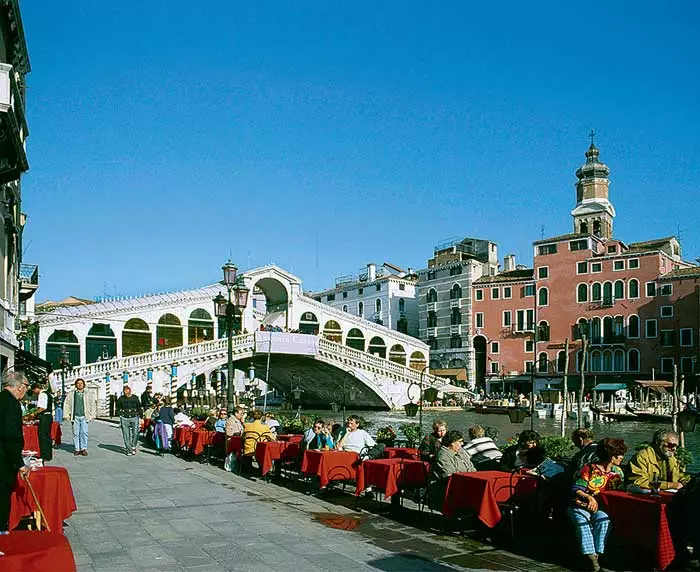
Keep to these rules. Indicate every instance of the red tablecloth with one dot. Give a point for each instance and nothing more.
(30, 551)
(640, 520)
(201, 438)
(391, 475)
(266, 452)
(31, 435)
(183, 437)
(331, 465)
(235, 445)
(401, 453)
(293, 438)
(53, 489)
(482, 491)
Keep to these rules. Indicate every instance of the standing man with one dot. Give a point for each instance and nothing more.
(80, 408)
(129, 411)
(147, 397)
(14, 387)
(44, 413)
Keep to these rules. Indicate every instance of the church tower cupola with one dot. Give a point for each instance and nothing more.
(594, 212)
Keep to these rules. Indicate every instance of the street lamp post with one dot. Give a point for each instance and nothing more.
(65, 364)
(226, 308)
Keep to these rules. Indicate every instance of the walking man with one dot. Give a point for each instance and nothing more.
(14, 387)
(130, 412)
(80, 407)
(44, 413)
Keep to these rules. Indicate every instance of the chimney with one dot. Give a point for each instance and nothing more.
(509, 263)
(371, 272)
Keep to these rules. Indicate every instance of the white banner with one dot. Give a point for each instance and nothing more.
(282, 343)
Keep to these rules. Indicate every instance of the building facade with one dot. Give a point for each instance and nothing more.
(18, 282)
(636, 305)
(445, 304)
(384, 294)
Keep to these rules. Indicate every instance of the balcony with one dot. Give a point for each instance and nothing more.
(456, 329)
(13, 127)
(28, 280)
(456, 303)
(432, 332)
(432, 306)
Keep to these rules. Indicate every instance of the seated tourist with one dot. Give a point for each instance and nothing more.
(432, 443)
(355, 439)
(582, 439)
(451, 458)
(234, 424)
(254, 432)
(483, 452)
(220, 424)
(272, 423)
(321, 439)
(591, 523)
(526, 453)
(212, 418)
(658, 460)
(182, 419)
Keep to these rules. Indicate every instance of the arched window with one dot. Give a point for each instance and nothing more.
(168, 332)
(561, 361)
(619, 290)
(200, 327)
(62, 340)
(543, 331)
(378, 306)
(607, 360)
(456, 292)
(633, 326)
(618, 329)
(579, 359)
(308, 323)
(136, 338)
(607, 294)
(355, 340)
(543, 297)
(402, 305)
(583, 328)
(397, 354)
(582, 293)
(432, 296)
(619, 361)
(361, 309)
(333, 332)
(542, 362)
(633, 360)
(608, 329)
(377, 347)
(595, 330)
(345, 308)
(456, 317)
(633, 288)
(432, 319)
(596, 292)
(596, 361)
(100, 344)
(417, 361)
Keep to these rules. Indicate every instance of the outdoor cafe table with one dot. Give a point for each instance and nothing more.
(401, 453)
(183, 436)
(31, 551)
(201, 438)
(235, 445)
(31, 435)
(641, 521)
(481, 491)
(331, 465)
(266, 452)
(291, 438)
(53, 489)
(391, 475)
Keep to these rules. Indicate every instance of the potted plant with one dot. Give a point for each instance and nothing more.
(412, 432)
(386, 435)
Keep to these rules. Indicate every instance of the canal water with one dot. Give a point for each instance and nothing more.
(633, 432)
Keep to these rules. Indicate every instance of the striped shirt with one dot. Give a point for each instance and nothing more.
(482, 449)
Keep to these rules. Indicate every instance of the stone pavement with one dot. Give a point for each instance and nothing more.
(163, 513)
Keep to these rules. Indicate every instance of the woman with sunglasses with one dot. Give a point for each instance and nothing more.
(658, 463)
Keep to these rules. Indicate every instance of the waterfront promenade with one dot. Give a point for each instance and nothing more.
(148, 512)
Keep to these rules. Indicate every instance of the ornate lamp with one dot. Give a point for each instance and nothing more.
(516, 414)
(220, 305)
(687, 420)
(352, 393)
(297, 391)
(240, 293)
(230, 272)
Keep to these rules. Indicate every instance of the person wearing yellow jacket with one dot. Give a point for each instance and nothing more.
(658, 460)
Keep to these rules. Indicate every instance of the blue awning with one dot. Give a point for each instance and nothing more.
(610, 387)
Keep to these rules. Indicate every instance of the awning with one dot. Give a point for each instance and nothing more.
(454, 373)
(35, 368)
(449, 388)
(610, 387)
(654, 383)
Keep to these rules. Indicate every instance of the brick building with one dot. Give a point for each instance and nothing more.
(638, 304)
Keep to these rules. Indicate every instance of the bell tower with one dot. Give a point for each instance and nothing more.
(594, 212)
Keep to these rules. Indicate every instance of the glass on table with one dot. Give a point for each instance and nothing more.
(655, 484)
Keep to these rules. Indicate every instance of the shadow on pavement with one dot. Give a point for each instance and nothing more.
(407, 562)
(112, 448)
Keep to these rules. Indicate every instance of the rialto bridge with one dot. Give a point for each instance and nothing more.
(173, 340)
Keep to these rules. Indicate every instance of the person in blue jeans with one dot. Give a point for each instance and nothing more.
(80, 407)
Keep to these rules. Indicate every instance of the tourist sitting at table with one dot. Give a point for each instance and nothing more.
(451, 458)
(234, 424)
(272, 423)
(310, 433)
(355, 439)
(591, 524)
(658, 461)
(254, 432)
(220, 424)
(321, 439)
(483, 452)
(212, 418)
(432, 443)
(182, 419)
(582, 439)
(526, 453)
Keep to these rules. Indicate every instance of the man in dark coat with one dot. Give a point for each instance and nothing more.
(14, 387)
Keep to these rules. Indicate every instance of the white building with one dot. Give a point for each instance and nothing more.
(384, 294)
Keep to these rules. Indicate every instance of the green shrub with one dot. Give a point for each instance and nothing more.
(412, 432)
(557, 448)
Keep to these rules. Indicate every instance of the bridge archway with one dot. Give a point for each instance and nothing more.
(333, 332)
(273, 294)
(200, 327)
(377, 346)
(136, 338)
(169, 332)
(355, 340)
(59, 339)
(397, 354)
(100, 343)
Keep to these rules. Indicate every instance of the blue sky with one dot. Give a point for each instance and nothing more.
(166, 135)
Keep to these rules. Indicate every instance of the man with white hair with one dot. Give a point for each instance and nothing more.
(14, 388)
